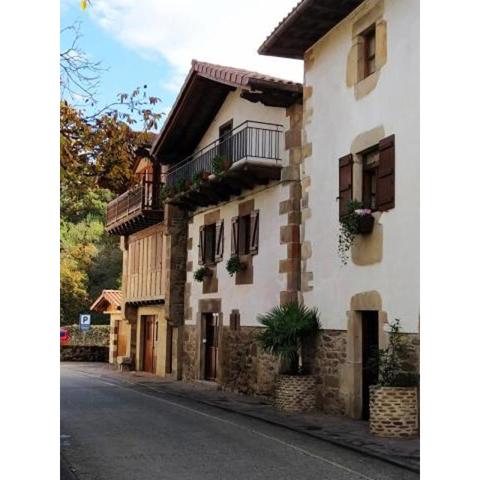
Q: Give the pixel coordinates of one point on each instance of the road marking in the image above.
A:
(229, 422)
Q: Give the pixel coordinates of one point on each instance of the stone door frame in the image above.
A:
(366, 301)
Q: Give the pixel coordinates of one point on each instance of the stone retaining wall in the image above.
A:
(295, 393)
(83, 353)
(393, 411)
(189, 353)
(97, 335)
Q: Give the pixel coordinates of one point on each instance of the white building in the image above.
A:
(360, 142)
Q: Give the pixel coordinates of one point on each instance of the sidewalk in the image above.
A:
(339, 430)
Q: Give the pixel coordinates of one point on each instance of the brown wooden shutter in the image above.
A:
(345, 179)
(253, 247)
(386, 174)
(201, 245)
(219, 241)
(235, 232)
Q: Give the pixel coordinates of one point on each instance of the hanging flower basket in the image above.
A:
(366, 221)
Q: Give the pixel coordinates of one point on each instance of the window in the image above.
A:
(210, 246)
(245, 234)
(378, 178)
(370, 160)
(370, 48)
(209, 256)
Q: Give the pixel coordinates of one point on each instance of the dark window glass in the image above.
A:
(244, 235)
(370, 47)
(209, 243)
(369, 181)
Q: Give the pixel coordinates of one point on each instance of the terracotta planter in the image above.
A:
(295, 393)
(393, 411)
(365, 224)
(204, 176)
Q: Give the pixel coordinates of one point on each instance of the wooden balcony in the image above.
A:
(247, 157)
(136, 209)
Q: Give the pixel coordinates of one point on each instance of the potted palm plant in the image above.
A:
(287, 328)
(393, 401)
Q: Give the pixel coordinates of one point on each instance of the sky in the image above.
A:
(152, 42)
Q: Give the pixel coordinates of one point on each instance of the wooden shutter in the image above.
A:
(386, 174)
(219, 241)
(253, 247)
(345, 179)
(201, 245)
(235, 232)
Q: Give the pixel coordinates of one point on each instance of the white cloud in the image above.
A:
(216, 31)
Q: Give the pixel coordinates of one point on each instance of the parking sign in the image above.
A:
(84, 321)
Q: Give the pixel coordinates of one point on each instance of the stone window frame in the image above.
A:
(369, 17)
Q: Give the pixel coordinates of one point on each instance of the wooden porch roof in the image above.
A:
(106, 299)
(308, 21)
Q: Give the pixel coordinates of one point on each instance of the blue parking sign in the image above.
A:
(84, 322)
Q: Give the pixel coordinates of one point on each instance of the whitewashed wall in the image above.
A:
(337, 119)
(264, 293)
(236, 108)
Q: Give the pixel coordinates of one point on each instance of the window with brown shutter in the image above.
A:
(201, 245)
(234, 244)
(209, 243)
(219, 241)
(254, 225)
(369, 39)
(386, 174)
(345, 177)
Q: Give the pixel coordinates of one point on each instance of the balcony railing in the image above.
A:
(250, 140)
(134, 203)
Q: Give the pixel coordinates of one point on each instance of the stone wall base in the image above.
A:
(393, 411)
(295, 393)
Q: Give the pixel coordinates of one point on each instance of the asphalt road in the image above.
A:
(113, 430)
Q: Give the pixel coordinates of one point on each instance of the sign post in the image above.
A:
(84, 322)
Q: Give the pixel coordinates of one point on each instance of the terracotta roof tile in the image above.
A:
(113, 297)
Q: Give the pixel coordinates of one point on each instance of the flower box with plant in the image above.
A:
(393, 401)
(287, 329)
(235, 265)
(357, 221)
(200, 273)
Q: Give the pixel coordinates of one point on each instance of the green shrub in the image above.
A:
(287, 329)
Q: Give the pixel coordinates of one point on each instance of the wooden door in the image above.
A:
(225, 134)
(369, 348)
(211, 345)
(148, 343)
(121, 338)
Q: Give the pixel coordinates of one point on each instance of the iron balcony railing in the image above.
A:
(249, 140)
(139, 198)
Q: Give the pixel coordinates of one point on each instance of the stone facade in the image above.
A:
(295, 393)
(393, 411)
(329, 360)
(245, 368)
(189, 353)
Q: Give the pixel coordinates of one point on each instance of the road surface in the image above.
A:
(114, 430)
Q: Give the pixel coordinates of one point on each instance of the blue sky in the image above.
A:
(153, 41)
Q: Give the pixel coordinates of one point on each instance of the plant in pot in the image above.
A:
(235, 265)
(357, 221)
(200, 273)
(393, 401)
(287, 329)
(220, 165)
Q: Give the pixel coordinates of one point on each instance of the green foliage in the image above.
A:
(200, 274)
(218, 165)
(388, 361)
(234, 265)
(287, 328)
(348, 230)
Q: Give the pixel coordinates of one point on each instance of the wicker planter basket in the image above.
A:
(393, 411)
(295, 393)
